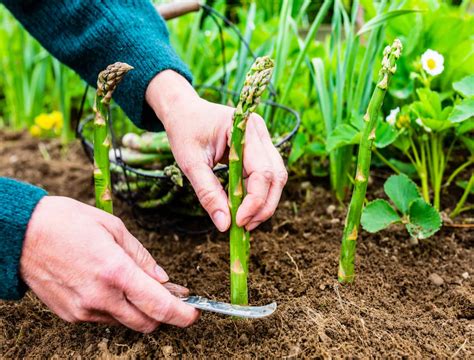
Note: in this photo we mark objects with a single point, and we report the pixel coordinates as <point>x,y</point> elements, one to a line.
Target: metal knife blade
<point>252,312</point>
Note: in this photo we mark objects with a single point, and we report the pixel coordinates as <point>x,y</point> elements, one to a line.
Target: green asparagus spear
<point>351,228</point>
<point>116,169</point>
<point>147,142</point>
<point>255,83</point>
<point>135,158</point>
<point>106,84</point>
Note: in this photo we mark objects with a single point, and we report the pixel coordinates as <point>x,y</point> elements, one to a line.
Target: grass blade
<point>381,19</point>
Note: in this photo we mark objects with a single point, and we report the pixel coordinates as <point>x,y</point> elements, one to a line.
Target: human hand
<point>86,267</point>
<point>199,133</point>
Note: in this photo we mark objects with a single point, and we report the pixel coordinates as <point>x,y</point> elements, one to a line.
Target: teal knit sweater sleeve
<point>17,202</point>
<point>88,35</point>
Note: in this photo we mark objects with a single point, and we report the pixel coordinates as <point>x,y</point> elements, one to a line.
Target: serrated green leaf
<point>382,19</point>
<point>430,103</point>
<point>378,215</point>
<point>342,135</point>
<point>424,220</point>
<point>385,134</point>
<point>465,86</point>
<point>465,127</point>
<point>402,143</point>
<point>402,191</point>
<point>406,168</point>
<point>462,111</point>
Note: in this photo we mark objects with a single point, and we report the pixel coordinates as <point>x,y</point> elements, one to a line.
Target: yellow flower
<point>51,121</point>
<point>403,121</point>
<point>44,121</point>
<point>58,119</point>
<point>35,130</point>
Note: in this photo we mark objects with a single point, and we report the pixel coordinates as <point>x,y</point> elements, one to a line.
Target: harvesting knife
<point>201,303</point>
<point>251,312</point>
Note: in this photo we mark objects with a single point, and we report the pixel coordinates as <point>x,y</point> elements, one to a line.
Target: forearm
<point>89,35</point>
<point>17,202</point>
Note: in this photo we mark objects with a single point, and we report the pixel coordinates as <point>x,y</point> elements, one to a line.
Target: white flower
<point>392,117</point>
<point>420,123</point>
<point>432,62</point>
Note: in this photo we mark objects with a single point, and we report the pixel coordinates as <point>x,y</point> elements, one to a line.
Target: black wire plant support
<point>165,218</point>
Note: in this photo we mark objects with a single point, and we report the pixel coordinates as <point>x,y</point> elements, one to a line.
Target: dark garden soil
<point>392,310</point>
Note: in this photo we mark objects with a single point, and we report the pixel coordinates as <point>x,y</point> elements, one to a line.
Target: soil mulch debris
<point>407,301</point>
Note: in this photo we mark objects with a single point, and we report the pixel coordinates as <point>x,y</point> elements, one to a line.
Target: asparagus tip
<point>109,78</point>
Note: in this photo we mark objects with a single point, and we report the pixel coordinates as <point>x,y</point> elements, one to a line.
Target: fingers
<point>128,315</point>
<point>258,186</point>
<point>134,248</point>
<point>102,318</point>
<point>267,176</point>
<point>152,299</point>
<point>210,193</point>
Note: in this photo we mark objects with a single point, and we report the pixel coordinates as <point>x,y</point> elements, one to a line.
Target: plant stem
<point>459,170</point>
<point>350,234</point>
<point>459,207</point>
<point>255,83</point>
<point>386,162</point>
<point>424,166</point>
<point>106,84</point>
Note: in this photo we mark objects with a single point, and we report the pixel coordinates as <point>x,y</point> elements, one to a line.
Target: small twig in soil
<point>44,151</point>
<point>336,289</point>
<point>466,226</point>
<point>300,275</point>
<point>460,348</point>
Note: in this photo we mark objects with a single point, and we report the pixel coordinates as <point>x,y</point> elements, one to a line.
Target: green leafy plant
<point>426,132</point>
<point>420,218</point>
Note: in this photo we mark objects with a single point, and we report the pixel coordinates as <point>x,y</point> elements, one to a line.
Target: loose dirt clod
<point>436,279</point>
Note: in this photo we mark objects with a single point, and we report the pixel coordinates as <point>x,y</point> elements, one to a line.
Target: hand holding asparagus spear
<point>255,83</point>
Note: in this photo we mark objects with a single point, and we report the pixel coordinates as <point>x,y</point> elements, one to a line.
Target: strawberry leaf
<point>378,215</point>
<point>424,220</point>
<point>402,191</point>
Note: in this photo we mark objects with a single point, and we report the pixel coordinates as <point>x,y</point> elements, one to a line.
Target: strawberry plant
<point>409,208</point>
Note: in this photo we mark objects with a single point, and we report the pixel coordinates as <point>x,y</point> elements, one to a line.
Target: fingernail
<point>161,274</point>
<point>176,290</point>
<point>251,226</point>
<point>220,220</point>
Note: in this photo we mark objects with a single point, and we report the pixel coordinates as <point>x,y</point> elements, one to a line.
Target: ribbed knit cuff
<point>17,202</point>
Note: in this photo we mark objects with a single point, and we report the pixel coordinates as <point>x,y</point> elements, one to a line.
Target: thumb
<point>210,193</point>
